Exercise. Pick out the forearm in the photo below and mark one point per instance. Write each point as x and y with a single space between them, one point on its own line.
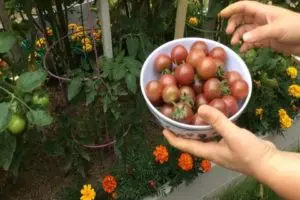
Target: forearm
282 174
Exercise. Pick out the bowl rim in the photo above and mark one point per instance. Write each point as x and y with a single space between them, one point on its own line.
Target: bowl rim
188 126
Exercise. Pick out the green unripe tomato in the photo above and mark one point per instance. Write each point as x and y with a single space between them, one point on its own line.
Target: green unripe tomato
42 100
16 124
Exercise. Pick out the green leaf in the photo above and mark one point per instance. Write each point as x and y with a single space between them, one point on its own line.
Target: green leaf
84 154
7 149
29 81
131 83
7 41
132 46
74 88
39 117
90 96
4 116
119 71
54 148
133 66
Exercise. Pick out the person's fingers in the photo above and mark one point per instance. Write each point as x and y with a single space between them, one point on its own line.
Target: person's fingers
206 150
238 34
219 122
237 20
262 33
247 7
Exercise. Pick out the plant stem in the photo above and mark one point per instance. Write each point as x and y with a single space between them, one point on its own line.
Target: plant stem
14 96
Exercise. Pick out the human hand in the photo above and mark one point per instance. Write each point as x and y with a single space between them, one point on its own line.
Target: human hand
261 25
239 149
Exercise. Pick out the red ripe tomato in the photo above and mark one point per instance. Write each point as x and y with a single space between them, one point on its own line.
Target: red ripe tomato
195 56
220 105
218 53
187 95
231 103
167 110
154 92
179 54
197 86
239 89
167 79
201 46
183 113
212 89
200 100
162 62
197 120
232 76
184 74
170 94
219 63
207 68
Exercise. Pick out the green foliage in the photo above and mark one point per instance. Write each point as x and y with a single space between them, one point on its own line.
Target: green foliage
5 116
31 80
270 90
7 40
74 87
7 149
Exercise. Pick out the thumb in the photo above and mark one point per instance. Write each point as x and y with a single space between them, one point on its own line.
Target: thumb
261 33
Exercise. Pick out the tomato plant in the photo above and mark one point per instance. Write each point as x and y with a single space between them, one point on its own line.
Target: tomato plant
42 100
16 124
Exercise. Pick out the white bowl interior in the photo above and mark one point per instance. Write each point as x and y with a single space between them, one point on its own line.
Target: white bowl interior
234 62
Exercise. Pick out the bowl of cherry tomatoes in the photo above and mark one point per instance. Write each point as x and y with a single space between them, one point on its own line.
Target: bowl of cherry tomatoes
183 74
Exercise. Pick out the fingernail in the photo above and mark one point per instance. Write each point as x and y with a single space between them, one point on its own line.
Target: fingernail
247 37
165 131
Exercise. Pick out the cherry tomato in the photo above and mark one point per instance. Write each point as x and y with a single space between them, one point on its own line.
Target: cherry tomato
16 124
212 89
218 53
201 46
207 68
219 63
187 95
179 54
220 105
184 74
167 79
239 89
162 62
200 100
231 103
183 113
199 121
198 86
154 92
167 110
195 56
3 65
170 94
42 100
232 76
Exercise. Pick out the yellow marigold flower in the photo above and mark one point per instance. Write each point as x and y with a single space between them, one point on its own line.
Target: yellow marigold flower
87 47
49 31
259 112
72 26
284 119
87 193
85 41
97 35
79 28
294 90
161 154
193 21
292 72
40 42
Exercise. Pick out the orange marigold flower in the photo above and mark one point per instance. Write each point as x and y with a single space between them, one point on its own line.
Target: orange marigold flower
205 165
109 184
185 162
161 154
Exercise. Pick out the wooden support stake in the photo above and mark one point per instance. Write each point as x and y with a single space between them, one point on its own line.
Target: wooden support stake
180 18
103 7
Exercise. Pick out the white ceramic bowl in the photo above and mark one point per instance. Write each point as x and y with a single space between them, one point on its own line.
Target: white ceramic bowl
148 73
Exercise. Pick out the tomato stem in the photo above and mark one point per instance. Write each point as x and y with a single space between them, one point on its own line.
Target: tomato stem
15 97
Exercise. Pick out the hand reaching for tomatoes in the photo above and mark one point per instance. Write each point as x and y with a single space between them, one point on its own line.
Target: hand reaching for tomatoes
233 150
261 25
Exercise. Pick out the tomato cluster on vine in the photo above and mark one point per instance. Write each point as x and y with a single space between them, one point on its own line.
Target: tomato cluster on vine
189 79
